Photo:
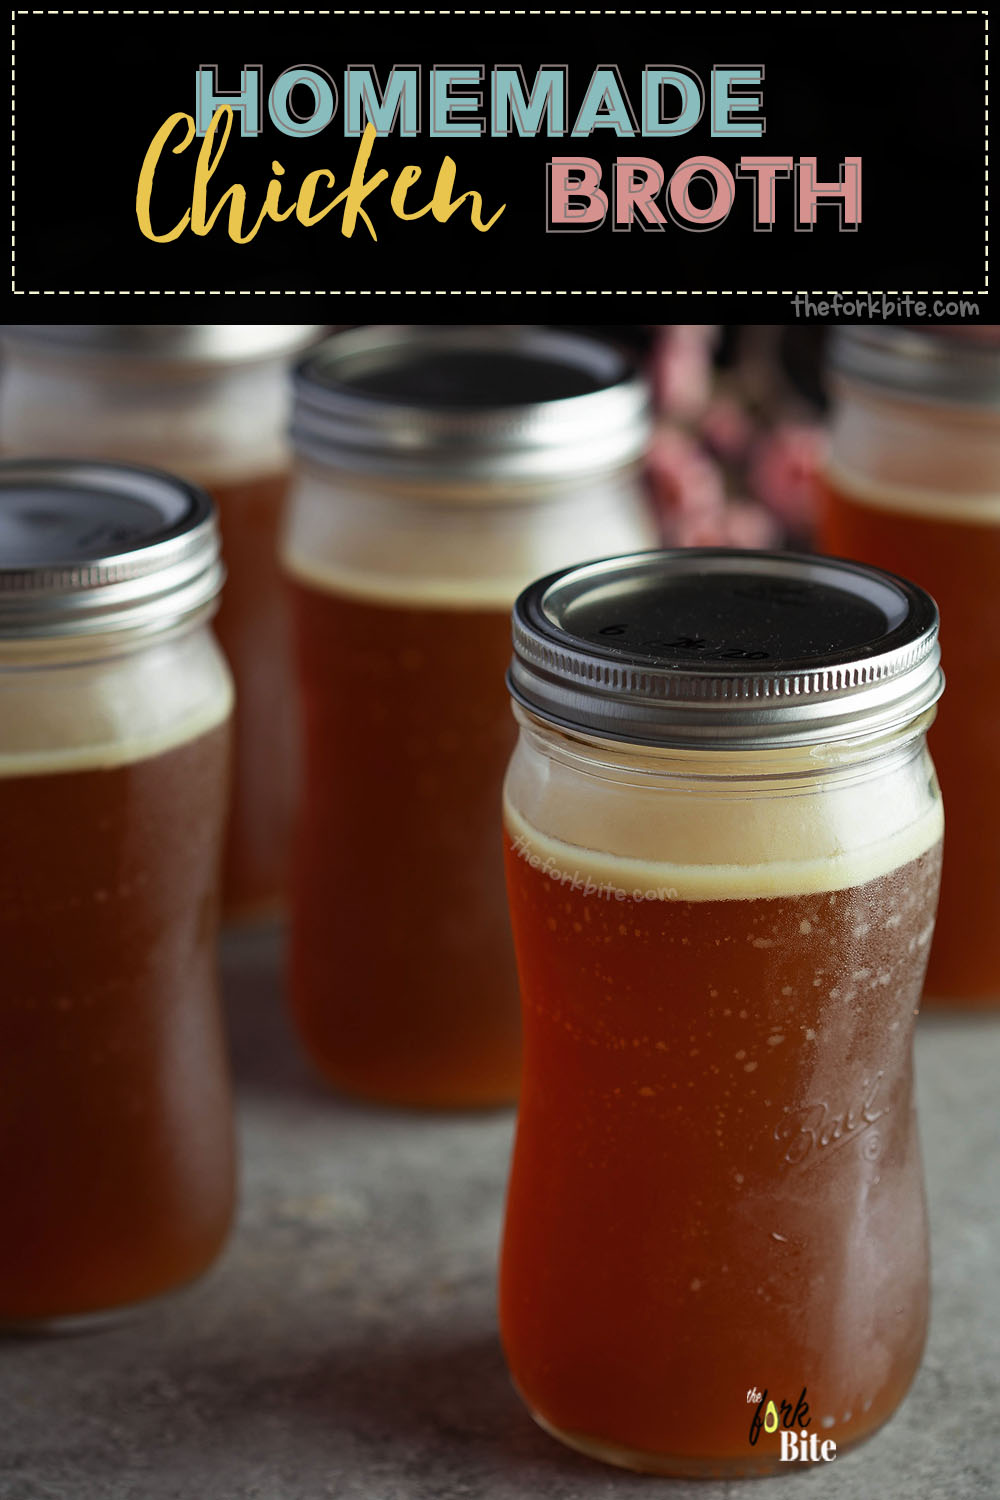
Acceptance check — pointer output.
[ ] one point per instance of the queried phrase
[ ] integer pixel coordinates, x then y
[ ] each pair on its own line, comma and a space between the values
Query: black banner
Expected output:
670, 163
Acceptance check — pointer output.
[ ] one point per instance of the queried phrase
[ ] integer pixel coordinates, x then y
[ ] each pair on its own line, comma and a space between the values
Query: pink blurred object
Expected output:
727, 429
740, 523
681, 369
783, 472
684, 478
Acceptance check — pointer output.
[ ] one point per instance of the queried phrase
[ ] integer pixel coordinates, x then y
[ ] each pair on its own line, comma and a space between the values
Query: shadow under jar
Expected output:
723, 839
439, 470
913, 484
208, 401
116, 1141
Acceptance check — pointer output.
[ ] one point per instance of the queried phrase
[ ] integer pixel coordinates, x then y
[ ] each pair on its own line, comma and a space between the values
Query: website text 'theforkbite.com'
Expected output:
878, 307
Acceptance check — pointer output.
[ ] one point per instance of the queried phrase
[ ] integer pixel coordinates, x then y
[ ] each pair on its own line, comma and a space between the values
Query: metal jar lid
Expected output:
87, 548
474, 402
951, 365
725, 649
180, 343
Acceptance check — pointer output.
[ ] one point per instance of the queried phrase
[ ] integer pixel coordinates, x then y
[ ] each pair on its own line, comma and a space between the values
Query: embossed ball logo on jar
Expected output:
808, 1131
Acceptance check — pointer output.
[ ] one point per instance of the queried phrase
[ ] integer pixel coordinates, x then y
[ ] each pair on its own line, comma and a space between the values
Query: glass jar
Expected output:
913, 484
438, 469
116, 1144
723, 838
208, 401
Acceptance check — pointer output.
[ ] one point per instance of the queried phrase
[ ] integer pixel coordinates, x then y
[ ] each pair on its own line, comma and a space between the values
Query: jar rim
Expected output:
949, 366
507, 402
170, 343
94, 547
596, 649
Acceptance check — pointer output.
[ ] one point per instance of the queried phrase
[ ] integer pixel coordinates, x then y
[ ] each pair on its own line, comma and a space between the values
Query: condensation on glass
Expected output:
913, 484
723, 838
439, 469
116, 1145
208, 401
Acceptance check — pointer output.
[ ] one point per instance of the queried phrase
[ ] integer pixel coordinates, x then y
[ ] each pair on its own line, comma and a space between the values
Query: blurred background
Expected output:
739, 437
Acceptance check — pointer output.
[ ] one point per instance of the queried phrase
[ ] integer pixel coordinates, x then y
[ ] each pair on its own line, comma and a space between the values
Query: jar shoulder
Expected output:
910, 455
216, 427
58, 714
725, 836
474, 548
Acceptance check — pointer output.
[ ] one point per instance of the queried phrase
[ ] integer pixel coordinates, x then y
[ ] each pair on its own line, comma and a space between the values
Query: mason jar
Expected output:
913, 484
439, 468
723, 837
208, 401
116, 1144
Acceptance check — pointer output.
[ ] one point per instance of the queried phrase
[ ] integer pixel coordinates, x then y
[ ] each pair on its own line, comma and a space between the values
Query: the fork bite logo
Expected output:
790, 1422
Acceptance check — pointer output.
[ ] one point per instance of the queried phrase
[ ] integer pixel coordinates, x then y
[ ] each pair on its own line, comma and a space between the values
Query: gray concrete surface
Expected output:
345, 1347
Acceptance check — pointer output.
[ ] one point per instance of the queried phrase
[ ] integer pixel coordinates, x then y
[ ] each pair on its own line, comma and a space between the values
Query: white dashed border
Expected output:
510, 292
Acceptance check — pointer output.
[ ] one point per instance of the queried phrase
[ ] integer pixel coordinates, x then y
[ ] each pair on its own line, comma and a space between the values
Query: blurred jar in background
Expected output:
208, 401
116, 1146
440, 468
913, 484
